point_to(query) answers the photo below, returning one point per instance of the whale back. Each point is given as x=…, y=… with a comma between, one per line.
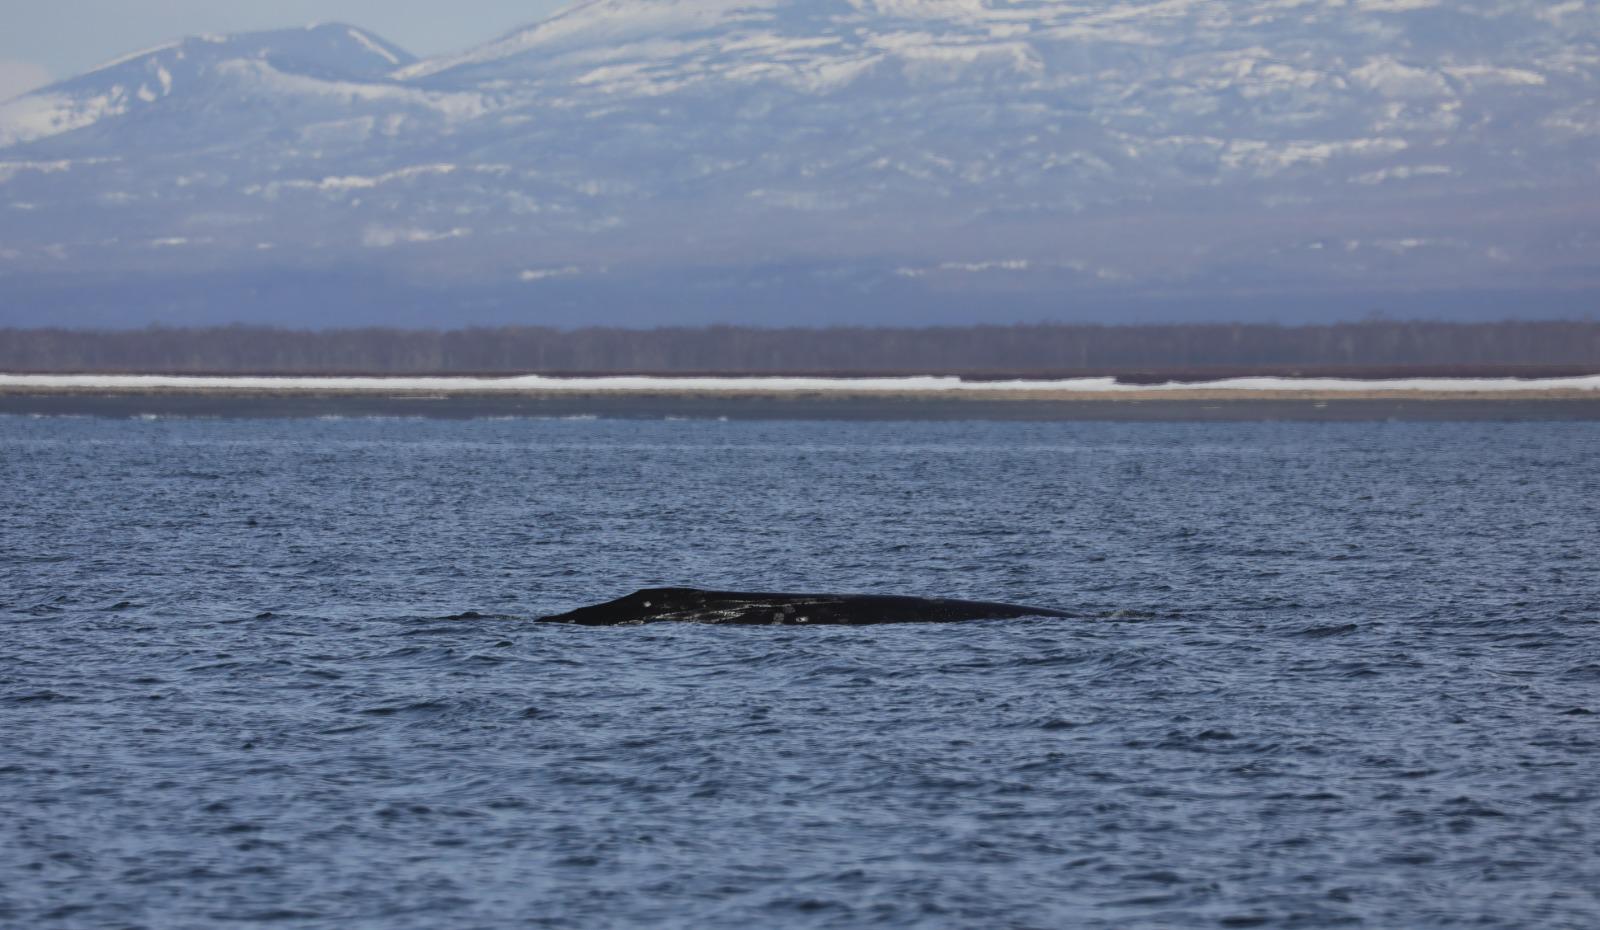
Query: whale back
x=692, y=605
x=638, y=607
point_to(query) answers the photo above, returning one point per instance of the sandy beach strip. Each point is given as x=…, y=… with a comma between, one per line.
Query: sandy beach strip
x=1574, y=399
x=925, y=386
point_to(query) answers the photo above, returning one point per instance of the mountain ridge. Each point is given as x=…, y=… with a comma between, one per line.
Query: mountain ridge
x=699, y=160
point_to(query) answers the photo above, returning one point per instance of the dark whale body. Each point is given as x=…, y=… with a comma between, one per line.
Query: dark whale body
x=736, y=608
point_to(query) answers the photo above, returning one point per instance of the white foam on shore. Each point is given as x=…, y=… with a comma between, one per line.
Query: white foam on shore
x=776, y=385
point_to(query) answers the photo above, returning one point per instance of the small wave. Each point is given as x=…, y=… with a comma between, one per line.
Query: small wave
x=1332, y=629
x=419, y=707
x=476, y=615
x=36, y=697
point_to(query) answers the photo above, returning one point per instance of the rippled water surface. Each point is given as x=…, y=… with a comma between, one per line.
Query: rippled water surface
x=285, y=673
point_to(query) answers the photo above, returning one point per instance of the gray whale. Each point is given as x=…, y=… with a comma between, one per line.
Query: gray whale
x=739, y=608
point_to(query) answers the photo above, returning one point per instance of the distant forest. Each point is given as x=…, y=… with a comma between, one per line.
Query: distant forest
x=1354, y=348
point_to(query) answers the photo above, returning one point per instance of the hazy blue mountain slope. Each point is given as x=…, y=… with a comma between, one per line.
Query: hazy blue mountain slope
x=644, y=160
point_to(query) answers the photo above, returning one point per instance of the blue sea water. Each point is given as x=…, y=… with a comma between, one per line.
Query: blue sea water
x=285, y=673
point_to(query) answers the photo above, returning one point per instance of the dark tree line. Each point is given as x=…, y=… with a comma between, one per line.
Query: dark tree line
x=1366, y=347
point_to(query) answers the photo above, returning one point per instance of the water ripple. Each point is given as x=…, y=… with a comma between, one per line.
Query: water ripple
x=285, y=674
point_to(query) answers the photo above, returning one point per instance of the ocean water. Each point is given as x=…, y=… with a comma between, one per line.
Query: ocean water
x=286, y=673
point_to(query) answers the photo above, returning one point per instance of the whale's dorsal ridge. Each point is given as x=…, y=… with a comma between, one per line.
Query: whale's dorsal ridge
x=694, y=605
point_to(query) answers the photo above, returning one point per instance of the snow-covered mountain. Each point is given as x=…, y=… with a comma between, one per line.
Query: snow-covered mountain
x=825, y=161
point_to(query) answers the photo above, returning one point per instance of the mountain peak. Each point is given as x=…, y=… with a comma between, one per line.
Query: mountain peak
x=150, y=78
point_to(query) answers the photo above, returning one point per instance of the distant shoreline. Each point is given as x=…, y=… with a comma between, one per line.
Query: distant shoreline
x=1122, y=374
x=1130, y=405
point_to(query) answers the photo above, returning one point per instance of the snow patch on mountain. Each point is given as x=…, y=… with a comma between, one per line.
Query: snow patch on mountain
x=372, y=45
x=530, y=275
x=382, y=237
x=1403, y=173
x=260, y=76
x=152, y=52
x=11, y=169
x=42, y=115
x=352, y=182
x=602, y=22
